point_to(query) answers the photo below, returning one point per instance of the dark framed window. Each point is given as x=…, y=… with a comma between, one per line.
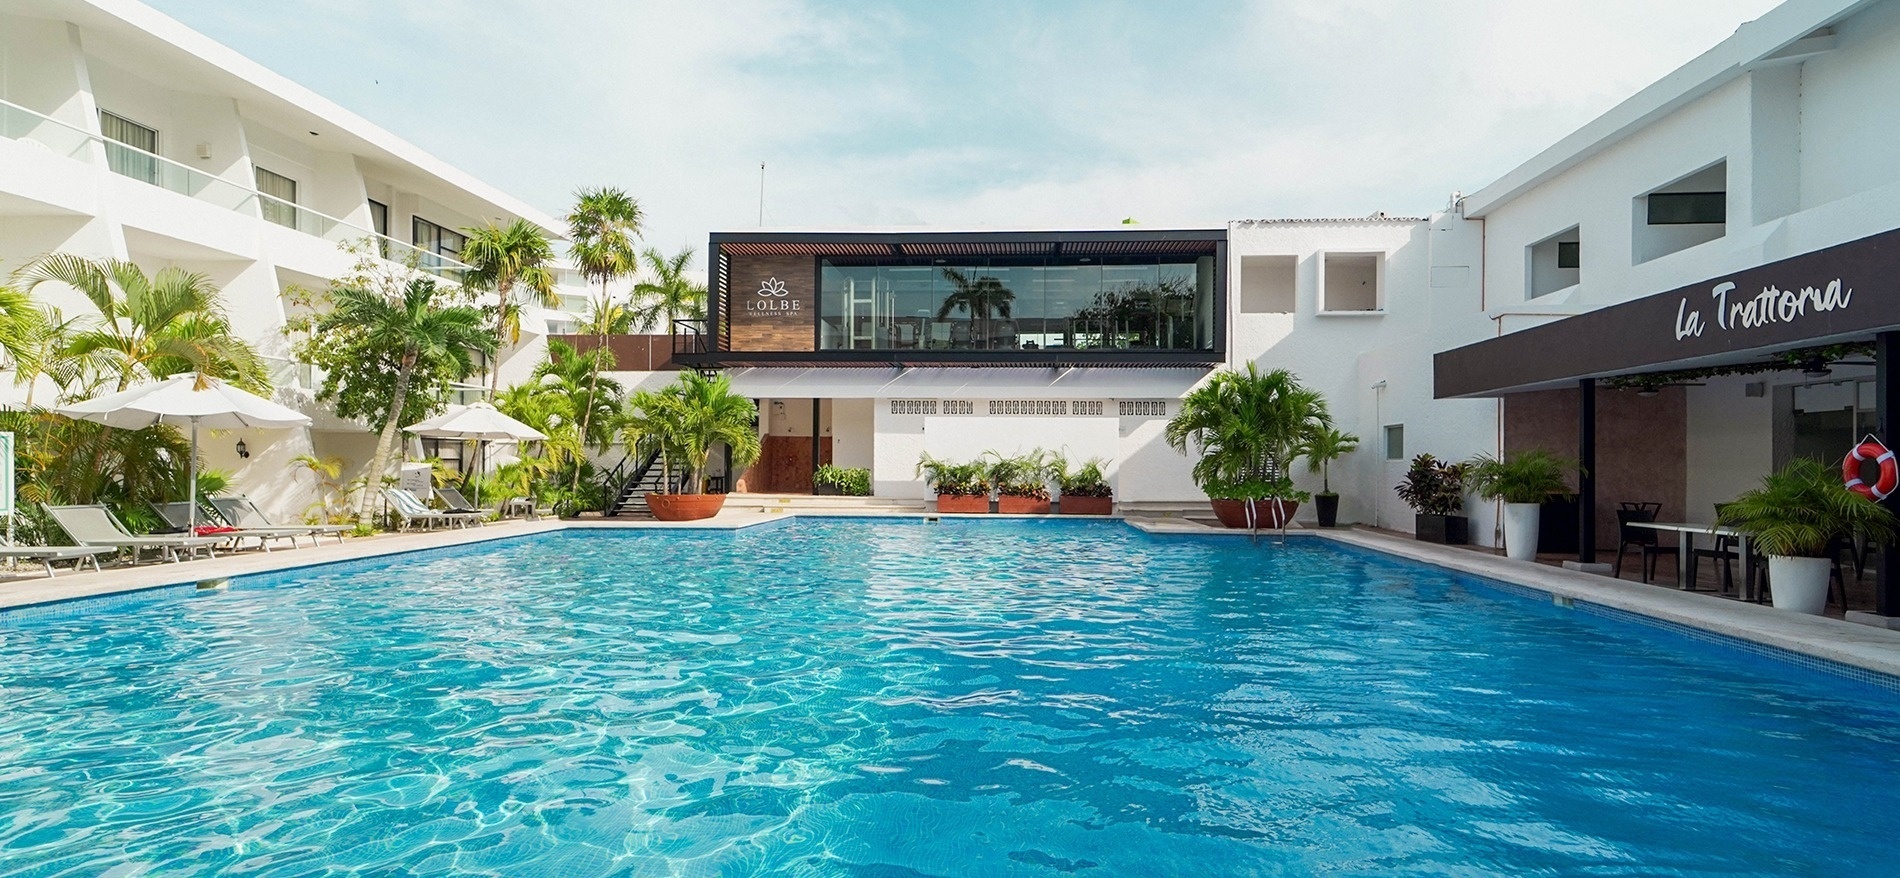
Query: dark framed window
x=379, y=217
x=449, y=451
x=431, y=238
x=1395, y=442
x=1568, y=254
x=140, y=162
x=281, y=206
x=1687, y=208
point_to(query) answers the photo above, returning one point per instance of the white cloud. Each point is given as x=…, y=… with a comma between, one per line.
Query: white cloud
x=1188, y=113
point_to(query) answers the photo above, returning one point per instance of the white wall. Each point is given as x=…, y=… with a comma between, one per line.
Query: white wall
x=853, y=433
x=1731, y=442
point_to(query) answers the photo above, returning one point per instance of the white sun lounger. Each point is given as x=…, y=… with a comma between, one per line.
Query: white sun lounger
x=410, y=510
x=240, y=511
x=96, y=526
x=78, y=555
x=177, y=514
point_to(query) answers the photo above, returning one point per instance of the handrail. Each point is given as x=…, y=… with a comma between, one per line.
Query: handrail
x=322, y=225
x=639, y=473
x=689, y=335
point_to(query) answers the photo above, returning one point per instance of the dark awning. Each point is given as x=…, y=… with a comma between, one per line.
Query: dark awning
x=1843, y=293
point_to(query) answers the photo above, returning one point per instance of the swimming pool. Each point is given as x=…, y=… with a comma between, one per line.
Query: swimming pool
x=834, y=697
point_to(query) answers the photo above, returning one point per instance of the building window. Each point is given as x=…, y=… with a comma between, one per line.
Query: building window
x=436, y=240
x=379, y=217
x=1030, y=303
x=449, y=451
x=280, y=203
x=1692, y=210
x=1553, y=264
x=140, y=162
x=1395, y=442
x=1142, y=408
x=1267, y=284
x=959, y=407
x=913, y=406
x=1029, y=407
x=1352, y=283
x=1086, y=407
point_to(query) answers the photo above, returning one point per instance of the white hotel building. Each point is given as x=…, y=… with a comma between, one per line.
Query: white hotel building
x=1770, y=161
x=124, y=134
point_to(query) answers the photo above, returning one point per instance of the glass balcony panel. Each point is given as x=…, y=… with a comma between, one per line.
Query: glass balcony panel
x=20, y=123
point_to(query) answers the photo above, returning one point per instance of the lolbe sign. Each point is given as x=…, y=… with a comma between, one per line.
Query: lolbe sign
x=773, y=301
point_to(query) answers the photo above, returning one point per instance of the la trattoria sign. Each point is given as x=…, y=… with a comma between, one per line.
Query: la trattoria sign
x=1771, y=305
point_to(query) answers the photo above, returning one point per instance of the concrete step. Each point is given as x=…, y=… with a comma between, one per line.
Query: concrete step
x=826, y=503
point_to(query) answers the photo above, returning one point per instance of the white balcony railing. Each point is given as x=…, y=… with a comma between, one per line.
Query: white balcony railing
x=71, y=141
x=60, y=138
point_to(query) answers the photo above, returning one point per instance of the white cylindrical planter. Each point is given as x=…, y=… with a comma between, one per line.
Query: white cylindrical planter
x=1520, y=530
x=1799, y=584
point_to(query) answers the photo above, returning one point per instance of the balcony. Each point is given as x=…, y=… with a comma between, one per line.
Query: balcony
x=44, y=164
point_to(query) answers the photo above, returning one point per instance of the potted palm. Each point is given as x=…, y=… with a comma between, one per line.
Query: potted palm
x=684, y=421
x=1249, y=426
x=1435, y=489
x=1085, y=490
x=1522, y=479
x=1796, y=518
x=1022, y=482
x=960, y=487
x=1322, y=448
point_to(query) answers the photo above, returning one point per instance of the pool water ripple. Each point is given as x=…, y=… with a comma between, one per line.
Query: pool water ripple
x=864, y=699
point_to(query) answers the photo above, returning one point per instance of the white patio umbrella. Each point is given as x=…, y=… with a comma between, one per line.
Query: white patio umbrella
x=479, y=422
x=185, y=399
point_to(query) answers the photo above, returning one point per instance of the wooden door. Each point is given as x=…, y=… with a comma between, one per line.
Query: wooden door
x=787, y=465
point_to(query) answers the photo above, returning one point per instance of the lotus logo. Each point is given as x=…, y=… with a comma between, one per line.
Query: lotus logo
x=773, y=287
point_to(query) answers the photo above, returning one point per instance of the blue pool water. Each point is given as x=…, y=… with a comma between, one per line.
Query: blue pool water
x=900, y=700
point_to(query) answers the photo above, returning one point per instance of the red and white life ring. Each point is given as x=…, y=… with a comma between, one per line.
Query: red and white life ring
x=1871, y=449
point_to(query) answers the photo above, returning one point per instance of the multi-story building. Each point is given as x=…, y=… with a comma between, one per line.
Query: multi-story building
x=125, y=134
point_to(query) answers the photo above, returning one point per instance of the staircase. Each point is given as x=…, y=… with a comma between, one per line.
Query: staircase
x=632, y=502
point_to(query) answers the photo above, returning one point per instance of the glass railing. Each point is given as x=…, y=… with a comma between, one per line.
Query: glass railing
x=467, y=394
x=20, y=123
x=145, y=167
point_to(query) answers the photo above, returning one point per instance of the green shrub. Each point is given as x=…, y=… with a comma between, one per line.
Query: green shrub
x=956, y=479
x=1086, y=480
x=850, y=481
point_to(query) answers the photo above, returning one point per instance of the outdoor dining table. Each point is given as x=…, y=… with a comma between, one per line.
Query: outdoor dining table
x=1686, y=534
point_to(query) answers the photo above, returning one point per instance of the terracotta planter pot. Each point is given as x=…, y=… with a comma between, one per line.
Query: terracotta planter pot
x=1088, y=505
x=685, y=507
x=1266, y=514
x=1007, y=504
x=973, y=503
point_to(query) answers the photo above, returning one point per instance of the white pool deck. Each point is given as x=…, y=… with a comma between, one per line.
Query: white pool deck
x=1857, y=646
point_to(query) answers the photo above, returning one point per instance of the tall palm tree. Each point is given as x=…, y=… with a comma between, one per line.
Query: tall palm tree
x=590, y=399
x=667, y=294
x=22, y=325
x=417, y=335
x=601, y=229
x=502, y=258
x=149, y=326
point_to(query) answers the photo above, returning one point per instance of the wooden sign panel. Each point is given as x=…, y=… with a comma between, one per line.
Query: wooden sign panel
x=773, y=302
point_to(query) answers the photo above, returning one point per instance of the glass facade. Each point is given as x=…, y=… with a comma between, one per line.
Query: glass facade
x=1022, y=304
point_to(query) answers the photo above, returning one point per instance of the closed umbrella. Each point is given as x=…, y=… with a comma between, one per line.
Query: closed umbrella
x=194, y=399
x=477, y=422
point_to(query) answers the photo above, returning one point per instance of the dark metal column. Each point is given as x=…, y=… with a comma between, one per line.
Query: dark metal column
x=1887, y=410
x=1587, y=476
x=814, y=442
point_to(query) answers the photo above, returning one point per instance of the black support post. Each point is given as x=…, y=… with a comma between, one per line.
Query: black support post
x=1887, y=411
x=1587, y=475
x=814, y=441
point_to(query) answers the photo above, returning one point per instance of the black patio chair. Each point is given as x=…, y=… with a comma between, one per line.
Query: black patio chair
x=1647, y=542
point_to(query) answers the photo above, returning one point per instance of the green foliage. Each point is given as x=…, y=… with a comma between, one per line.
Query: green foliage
x=850, y=481
x=1802, y=508
x=374, y=327
x=1324, y=446
x=969, y=479
x=331, y=506
x=1527, y=476
x=668, y=293
x=601, y=229
x=685, y=420
x=1087, y=480
x=1021, y=475
x=1434, y=487
x=502, y=259
x=1249, y=426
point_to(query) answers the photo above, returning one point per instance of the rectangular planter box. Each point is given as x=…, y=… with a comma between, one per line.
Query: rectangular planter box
x=1007, y=504
x=826, y=491
x=1086, y=505
x=962, y=503
x=1451, y=530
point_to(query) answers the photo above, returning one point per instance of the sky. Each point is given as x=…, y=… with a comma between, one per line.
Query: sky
x=977, y=113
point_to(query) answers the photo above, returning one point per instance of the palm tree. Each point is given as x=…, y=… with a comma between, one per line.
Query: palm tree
x=982, y=299
x=592, y=401
x=149, y=326
x=500, y=258
x=1324, y=446
x=668, y=294
x=22, y=325
x=601, y=229
x=419, y=336
x=1250, y=426
x=685, y=419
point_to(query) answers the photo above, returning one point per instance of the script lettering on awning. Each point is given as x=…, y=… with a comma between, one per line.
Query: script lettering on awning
x=1771, y=305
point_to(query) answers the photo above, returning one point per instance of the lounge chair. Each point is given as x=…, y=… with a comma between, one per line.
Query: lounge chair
x=410, y=510
x=239, y=511
x=453, y=501
x=96, y=526
x=46, y=555
x=177, y=514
